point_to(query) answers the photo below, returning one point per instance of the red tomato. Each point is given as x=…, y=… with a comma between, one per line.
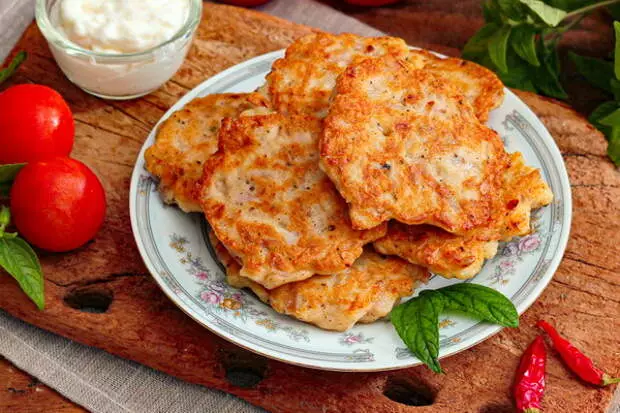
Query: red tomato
x=58, y=204
x=372, y=3
x=246, y=3
x=35, y=124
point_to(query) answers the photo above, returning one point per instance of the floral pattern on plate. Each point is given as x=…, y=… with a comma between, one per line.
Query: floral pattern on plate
x=221, y=297
x=176, y=251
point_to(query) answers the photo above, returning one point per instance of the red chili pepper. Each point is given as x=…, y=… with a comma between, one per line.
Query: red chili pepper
x=529, y=384
x=576, y=361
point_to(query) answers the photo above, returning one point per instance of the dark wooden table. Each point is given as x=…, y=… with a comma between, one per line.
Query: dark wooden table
x=441, y=25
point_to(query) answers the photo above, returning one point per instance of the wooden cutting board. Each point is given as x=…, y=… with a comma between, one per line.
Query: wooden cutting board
x=141, y=324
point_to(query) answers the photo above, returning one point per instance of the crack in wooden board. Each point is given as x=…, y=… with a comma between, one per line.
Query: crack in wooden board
x=143, y=325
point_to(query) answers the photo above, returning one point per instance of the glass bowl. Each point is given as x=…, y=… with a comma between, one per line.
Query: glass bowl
x=117, y=75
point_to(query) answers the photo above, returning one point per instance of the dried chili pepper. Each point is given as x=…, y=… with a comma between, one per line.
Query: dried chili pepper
x=529, y=384
x=576, y=361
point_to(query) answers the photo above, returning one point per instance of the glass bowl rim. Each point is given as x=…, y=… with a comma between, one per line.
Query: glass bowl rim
x=55, y=36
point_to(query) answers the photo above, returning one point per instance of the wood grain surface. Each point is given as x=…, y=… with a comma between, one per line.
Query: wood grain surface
x=20, y=392
x=141, y=324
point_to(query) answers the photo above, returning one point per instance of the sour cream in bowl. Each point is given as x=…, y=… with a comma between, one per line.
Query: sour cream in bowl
x=119, y=49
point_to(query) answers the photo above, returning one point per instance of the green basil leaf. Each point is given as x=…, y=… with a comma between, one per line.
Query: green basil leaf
x=603, y=110
x=481, y=302
x=614, y=85
x=498, y=47
x=12, y=67
x=477, y=45
x=599, y=113
x=570, y=5
x=546, y=78
x=613, y=148
x=612, y=119
x=617, y=50
x=21, y=262
x=549, y=15
x=416, y=322
x=9, y=171
x=491, y=12
x=523, y=42
x=598, y=72
x=513, y=10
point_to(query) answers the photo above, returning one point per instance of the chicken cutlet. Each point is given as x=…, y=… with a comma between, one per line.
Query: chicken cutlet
x=365, y=292
x=271, y=205
x=401, y=143
x=480, y=86
x=443, y=253
x=459, y=256
x=187, y=139
x=302, y=82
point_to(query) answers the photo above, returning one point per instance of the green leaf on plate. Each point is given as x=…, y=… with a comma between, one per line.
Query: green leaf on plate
x=12, y=67
x=477, y=45
x=481, y=302
x=20, y=261
x=549, y=15
x=598, y=72
x=523, y=42
x=416, y=322
x=498, y=47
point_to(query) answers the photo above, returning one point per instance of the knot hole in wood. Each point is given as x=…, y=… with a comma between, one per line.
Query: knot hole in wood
x=405, y=390
x=243, y=369
x=90, y=299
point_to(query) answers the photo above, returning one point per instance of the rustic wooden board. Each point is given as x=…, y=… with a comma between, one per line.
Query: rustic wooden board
x=143, y=325
x=20, y=392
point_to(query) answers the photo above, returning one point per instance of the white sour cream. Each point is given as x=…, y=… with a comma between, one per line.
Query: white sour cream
x=121, y=26
x=118, y=28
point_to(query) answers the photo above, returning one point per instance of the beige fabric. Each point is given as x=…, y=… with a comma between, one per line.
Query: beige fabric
x=100, y=382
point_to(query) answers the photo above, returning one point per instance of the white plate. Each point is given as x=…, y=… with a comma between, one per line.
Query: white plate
x=176, y=251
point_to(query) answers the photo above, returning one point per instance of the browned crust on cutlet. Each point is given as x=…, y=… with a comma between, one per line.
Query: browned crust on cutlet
x=273, y=208
x=187, y=139
x=401, y=143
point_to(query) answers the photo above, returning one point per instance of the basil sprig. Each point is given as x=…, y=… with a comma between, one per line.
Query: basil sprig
x=19, y=260
x=12, y=67
x=519, y=42
x=605, y=75
x=417, y=320
x=520, y=37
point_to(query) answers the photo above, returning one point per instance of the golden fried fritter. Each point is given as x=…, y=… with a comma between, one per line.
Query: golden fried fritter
x=403, y=143
x=272, y=207
x=365, y=292
x=302, y=82
x=446, y=254
x=187, y=139
x=462, y=256
x=481, y=87
x=524, y=190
